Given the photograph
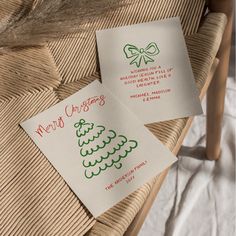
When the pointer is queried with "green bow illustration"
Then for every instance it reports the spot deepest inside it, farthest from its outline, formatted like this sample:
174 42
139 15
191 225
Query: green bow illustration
138 55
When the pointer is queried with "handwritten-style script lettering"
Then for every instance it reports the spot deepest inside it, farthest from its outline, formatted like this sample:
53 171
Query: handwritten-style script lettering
69 111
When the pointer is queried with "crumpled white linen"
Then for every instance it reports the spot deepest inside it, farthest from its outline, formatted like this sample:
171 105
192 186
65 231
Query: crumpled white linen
197 197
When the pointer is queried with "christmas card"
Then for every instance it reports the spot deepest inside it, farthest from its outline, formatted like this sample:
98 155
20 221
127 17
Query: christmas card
98 146
147 67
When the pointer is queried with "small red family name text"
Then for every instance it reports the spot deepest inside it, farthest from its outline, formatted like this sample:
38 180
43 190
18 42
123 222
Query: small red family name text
85 105
140 165
138 95
59 123
110 186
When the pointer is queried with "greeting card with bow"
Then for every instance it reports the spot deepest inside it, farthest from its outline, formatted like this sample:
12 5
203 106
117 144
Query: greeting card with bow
98 146
147 67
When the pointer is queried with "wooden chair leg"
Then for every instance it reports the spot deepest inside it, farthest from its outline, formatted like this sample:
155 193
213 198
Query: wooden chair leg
216 91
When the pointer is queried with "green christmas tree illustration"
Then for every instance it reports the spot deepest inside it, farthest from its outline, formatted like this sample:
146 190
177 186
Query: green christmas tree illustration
100 148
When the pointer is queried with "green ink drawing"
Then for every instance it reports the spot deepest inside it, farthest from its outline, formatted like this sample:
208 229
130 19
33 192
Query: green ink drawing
143 54
100 148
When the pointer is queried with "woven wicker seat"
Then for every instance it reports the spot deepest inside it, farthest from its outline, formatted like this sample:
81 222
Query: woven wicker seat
35 200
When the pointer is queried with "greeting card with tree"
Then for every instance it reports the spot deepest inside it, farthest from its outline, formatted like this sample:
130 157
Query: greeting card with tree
98 146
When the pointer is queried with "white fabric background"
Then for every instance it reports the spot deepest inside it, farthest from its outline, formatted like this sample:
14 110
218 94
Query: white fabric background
198 196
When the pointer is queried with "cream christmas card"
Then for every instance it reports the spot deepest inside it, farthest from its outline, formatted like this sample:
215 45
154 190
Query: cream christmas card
98 146
147 67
